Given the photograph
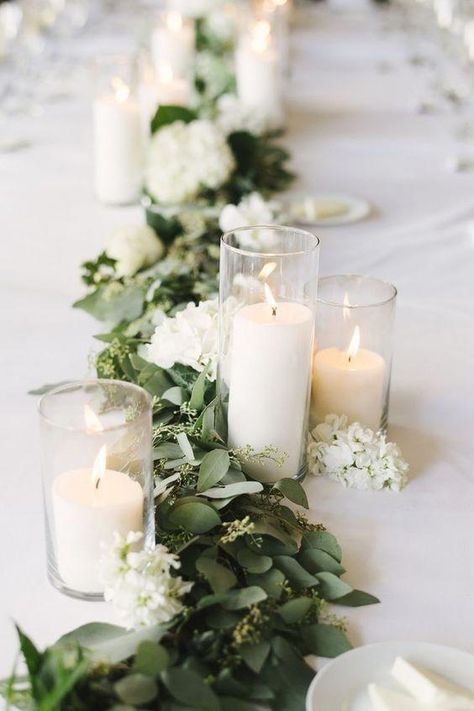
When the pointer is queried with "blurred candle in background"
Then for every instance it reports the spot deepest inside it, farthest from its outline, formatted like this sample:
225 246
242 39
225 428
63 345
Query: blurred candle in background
173 43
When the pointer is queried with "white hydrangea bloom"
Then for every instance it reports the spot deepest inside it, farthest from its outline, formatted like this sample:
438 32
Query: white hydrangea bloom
233 115
186 158
189 338
356 456
139 583
134 247
252 210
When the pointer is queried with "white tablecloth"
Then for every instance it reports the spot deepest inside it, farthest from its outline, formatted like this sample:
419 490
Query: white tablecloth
354 128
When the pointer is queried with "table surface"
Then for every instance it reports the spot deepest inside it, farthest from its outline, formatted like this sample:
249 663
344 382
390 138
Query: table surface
354 127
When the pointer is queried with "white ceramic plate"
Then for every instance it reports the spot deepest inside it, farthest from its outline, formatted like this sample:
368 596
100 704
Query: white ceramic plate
342 684
355 209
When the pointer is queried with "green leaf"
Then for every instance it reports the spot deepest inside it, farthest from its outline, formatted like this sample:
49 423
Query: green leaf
298 577
214 467
194 515
168 450
33 658
176 395
189 688
357 598
331 587
325 640
255 655
126 304
318 561
199 390
272 582
220 619
231 490
219 577
231 703
254 562
136 689
156 381
323 540
293 491
151 659
294 610
283 545
110 643
186 448
243 597
167 114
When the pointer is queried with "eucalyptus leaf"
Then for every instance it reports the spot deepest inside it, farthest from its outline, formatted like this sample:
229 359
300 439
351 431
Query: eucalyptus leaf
110 643
331 587
185 445
126 304
357 598
151 659
189 688
168 450
194 515
237 489
243 597
220 578
167 114
176 395
323 540
325 640
318 561
293 491
199 390
253 562
220 619
272 582
214 467
298 577
231 703
294 610
136 689
255 655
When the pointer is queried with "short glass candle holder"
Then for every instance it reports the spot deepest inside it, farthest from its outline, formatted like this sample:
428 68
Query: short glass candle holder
96 439
268 287
352 363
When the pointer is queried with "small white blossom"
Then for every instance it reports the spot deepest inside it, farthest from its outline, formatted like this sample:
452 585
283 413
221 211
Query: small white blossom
252 210
356 456
233 115
186 158
139 582
189 338
134 247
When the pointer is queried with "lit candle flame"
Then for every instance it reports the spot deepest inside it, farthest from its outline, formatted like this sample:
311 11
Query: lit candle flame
346 312
165 73
93 423
270 299
267 269
98 468
174 21
120 89
261 35
354 344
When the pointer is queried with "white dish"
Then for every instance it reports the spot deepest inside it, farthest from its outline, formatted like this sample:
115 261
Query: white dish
342 684
355 209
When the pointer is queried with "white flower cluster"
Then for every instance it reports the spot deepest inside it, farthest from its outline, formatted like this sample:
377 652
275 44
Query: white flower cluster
134 247
356 456
139 583
252 210
186 158
233 115
189 338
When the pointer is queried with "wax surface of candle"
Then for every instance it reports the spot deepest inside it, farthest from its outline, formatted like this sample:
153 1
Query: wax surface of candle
86 515
118 149
352 387
269 383
173 43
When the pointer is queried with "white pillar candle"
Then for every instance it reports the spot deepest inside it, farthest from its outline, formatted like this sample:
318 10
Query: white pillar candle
118 146
164 88
269 383
469 39
348 383
87 515
258 74
173 43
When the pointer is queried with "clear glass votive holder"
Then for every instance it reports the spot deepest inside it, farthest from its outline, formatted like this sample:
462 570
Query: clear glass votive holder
267 295
353 356
96 441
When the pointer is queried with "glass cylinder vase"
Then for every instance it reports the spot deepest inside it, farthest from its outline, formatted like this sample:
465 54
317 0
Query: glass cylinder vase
96 439
267 293
352 363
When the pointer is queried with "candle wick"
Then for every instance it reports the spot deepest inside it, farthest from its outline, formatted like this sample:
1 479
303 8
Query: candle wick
274 310
97 483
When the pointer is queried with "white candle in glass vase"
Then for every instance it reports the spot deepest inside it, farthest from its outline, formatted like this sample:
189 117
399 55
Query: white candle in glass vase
164 88
173 43
348 383
89 505
258 74
269 383
118 146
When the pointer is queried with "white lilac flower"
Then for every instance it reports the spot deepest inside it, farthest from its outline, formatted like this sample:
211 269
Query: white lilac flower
186 158
252 210
134 247
233 115
139 582
189 338
356 456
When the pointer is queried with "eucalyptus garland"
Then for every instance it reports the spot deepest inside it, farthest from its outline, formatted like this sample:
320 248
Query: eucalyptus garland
263 576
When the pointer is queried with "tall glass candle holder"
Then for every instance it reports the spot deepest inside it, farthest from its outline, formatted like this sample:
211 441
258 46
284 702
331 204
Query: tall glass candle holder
118 132
96 442
352 363
268 286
